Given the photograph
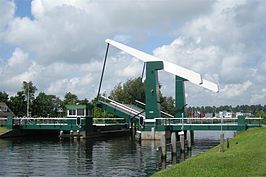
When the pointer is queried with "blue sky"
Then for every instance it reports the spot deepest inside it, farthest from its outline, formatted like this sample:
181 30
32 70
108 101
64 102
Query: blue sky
59 45
23 8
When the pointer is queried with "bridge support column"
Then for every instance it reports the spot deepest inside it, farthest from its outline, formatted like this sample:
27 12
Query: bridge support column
152 100
180 100
9 123
182 141
241 123
173 142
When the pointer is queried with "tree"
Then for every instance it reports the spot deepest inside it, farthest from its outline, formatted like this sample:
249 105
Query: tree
70 98
98 112
29 90
46 105
168 105
18 104
133 89
84 101
3 97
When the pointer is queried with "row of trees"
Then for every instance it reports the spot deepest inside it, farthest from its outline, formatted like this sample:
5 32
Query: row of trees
134 89
253 109
42 105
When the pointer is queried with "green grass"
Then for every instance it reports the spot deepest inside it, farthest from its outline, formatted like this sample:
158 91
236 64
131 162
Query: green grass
246 157
3 130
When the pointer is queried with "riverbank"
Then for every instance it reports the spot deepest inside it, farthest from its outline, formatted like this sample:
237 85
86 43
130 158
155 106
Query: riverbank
3 130
245 157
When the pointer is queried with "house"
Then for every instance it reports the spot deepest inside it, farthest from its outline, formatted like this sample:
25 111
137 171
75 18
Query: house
5 111
225 114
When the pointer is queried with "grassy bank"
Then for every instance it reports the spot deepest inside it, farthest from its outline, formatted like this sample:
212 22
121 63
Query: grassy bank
3 130
246 157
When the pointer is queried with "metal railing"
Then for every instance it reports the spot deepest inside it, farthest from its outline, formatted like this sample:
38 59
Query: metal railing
44 121
109 121
123 107
202 121
165 113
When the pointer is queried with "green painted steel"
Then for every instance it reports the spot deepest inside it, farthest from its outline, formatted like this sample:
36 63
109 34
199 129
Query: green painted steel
9 122
242 125
152 108
66 127
142 106
180 100
196 127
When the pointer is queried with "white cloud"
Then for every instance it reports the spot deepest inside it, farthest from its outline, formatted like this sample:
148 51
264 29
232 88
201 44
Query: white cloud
7 9
18 58
260 96
61 49
226 46
235 90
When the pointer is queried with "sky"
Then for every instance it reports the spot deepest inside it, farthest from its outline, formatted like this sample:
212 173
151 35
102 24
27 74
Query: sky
60 45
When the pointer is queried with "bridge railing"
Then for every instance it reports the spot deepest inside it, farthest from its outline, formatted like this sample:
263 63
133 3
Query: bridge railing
204 121
254 121
20 121
121 106
178 121
45 121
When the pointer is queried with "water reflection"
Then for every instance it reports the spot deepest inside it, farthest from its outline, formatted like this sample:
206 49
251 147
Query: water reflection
107 157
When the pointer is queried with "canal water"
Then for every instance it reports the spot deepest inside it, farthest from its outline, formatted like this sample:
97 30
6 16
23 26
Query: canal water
120 156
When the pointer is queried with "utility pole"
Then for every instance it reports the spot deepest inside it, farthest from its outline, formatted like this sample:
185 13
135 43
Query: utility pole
28 101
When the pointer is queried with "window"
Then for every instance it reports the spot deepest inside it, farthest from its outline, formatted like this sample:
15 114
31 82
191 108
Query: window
72 112
80 112
3 108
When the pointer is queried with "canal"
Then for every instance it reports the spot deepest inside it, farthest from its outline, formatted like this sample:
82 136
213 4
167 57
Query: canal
120 156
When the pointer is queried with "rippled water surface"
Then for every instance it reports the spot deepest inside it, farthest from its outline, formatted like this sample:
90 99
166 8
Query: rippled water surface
108 157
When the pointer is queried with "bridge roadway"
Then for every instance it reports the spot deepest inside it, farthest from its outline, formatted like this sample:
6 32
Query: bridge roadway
225 124
174 124
136 113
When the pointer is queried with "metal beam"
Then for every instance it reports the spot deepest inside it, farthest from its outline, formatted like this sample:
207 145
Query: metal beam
168 66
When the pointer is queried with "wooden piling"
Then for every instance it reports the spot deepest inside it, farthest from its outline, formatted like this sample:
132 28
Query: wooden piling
182 141
222 142
189 140
163 146
71 134
173 142
152 133
78 134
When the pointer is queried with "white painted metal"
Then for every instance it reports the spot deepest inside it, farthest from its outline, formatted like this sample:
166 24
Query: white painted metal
168 66
210 85
124 107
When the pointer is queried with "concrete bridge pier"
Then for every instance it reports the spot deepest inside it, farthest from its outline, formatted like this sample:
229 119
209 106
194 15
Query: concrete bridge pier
153 135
